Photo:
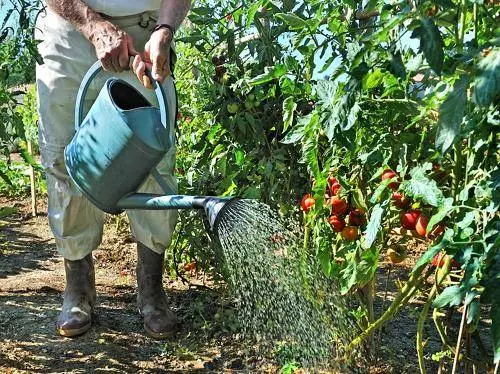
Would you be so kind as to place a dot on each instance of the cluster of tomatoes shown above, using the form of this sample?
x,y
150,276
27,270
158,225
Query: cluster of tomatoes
x,y
411,219
343,218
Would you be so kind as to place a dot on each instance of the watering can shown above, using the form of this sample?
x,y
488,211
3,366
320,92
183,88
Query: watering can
x,y
119,143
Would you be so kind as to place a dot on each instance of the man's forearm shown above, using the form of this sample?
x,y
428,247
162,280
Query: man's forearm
x,y
76,12
173,12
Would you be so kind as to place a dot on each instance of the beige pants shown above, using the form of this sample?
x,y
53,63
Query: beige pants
x,y
75,222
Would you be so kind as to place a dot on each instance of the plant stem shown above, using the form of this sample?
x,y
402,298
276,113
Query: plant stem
x,y
401,298
440,276
457,351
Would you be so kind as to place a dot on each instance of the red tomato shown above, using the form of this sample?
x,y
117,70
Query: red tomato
x,y
334,185
421,225
400,200
350,233
409,219
453,263
307,202
389,174
337,222
339,206
357,217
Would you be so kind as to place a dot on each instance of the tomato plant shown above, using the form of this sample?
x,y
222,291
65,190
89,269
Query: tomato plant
x,y
409,86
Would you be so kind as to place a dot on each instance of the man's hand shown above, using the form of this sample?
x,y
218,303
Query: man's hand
x,y
113,46
156,58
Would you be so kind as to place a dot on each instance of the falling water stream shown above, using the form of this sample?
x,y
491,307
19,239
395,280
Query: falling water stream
x,y
282,301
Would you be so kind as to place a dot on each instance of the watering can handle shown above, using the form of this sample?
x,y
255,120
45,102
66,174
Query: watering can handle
x,y
90,75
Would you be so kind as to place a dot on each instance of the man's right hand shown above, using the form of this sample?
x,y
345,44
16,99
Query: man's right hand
x,y
113,46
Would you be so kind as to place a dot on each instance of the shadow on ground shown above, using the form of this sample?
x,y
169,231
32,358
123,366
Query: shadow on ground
x,y
116,341
23,246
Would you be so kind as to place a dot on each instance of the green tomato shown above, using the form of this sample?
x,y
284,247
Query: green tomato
x,y
233,108
248,105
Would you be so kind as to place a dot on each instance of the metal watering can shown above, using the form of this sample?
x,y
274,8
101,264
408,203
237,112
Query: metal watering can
x,y
119,143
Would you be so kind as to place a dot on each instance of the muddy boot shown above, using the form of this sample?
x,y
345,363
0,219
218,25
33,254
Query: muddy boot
x,y
79,297
159,320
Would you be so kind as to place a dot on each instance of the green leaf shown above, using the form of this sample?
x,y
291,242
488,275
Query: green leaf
x,y
431,252
298,131
420,187
271,73
467,220
431,44
373,79
293,21
373,225
251,12
445,207
239,155
451,114
352,117
451,296
289,107
487,82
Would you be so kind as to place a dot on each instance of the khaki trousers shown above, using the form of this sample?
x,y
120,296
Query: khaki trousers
x,y
76,223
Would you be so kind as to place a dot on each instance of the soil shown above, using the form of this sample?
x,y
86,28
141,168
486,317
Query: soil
x,y
31,286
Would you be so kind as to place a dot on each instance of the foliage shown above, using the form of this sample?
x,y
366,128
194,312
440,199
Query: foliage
x,y
409,86
18,54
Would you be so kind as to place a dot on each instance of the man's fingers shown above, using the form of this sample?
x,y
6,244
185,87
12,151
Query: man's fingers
x,y
160,67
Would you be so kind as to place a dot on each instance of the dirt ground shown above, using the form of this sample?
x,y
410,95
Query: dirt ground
x,y
31,285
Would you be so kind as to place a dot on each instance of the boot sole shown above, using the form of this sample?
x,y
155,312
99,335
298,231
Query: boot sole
x,y
158,335
69,333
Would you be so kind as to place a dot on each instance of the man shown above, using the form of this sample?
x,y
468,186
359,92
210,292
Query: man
x,y
74,34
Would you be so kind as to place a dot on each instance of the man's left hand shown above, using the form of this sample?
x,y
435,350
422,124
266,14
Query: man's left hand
x,y
156,58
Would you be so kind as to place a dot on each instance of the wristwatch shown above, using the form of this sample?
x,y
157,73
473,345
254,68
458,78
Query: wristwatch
x,y
165,26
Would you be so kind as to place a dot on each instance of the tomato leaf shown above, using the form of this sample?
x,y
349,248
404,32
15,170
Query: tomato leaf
x,y
289,107
420,187
451,296
293,21
431,252
487,82
431,43
373,79
373,225
451,114
270,73
445,207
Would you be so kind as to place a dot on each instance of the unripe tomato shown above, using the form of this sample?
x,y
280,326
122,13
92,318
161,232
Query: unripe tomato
x,y
339,206
232,108
336,222
409,219
389,174
350,233
421,225
400,200
307,202
357,217
395,256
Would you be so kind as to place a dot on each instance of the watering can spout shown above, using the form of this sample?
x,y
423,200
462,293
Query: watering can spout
x,y
213,207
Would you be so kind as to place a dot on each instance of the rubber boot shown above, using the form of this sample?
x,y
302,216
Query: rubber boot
x,y
79,297
159,320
